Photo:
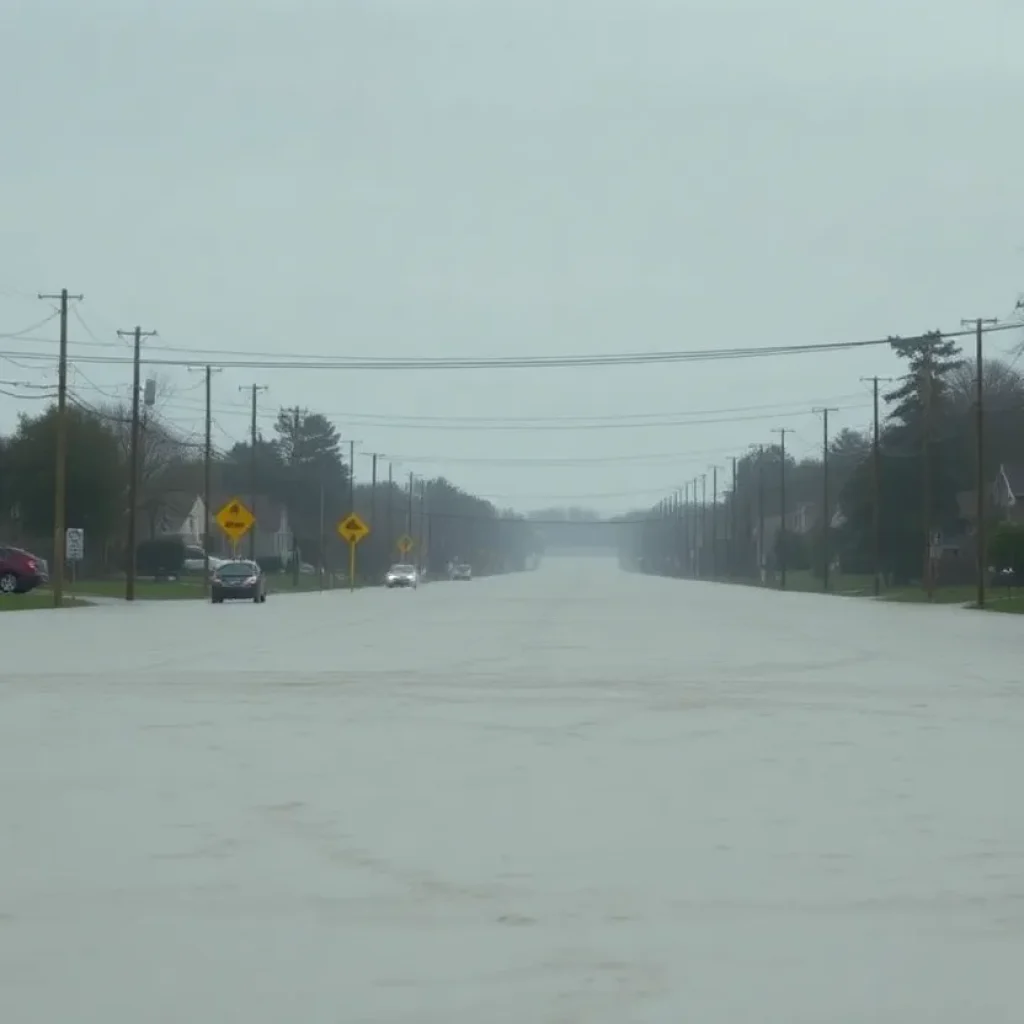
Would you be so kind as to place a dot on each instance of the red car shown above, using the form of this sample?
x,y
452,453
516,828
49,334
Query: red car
x,y
20,571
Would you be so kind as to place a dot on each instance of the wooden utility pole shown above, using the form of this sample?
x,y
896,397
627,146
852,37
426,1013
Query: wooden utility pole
x,y
60,465
208,371
680,533
782,542
761,560
375,532
321,561
876,510
296,427
133,469
207,488
714,522
391,512
375,536
979,438
734,557
351,477
408,519
926,471
825,504
876,472
255,389
424,528
687,551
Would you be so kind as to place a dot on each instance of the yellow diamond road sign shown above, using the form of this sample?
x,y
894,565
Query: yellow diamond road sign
x,y
352,529
235,519
405,543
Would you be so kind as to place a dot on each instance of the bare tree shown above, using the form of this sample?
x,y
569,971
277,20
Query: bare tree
x,y
168,463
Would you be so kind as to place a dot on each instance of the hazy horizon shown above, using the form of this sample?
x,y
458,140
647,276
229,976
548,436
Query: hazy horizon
x,y
394,179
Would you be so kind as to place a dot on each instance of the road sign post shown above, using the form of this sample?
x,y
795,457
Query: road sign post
x,y
352,530
236,521
74,552
74,544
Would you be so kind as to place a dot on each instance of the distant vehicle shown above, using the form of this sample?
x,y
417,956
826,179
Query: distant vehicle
x,y
238,581
195,560
462,571
20,571
401,576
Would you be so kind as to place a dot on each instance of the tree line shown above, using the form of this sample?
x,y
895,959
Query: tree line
x,y
920,481
298,468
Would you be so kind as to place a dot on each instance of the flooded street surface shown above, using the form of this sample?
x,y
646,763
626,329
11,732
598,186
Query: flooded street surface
x,y
568,795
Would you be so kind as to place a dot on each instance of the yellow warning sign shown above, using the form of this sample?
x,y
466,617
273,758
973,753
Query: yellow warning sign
x,y
235,519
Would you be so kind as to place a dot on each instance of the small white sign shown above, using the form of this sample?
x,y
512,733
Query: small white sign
x,y
74,544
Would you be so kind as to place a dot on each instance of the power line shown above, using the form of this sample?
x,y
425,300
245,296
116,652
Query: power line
x,y
18,335
385,422
272,361
544,421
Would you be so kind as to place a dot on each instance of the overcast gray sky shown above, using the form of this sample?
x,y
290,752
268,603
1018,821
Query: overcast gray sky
x,y
497,177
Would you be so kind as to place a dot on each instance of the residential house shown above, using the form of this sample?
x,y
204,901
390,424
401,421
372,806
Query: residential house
x,y
802,519
1008,493
272,532
184,516
176,513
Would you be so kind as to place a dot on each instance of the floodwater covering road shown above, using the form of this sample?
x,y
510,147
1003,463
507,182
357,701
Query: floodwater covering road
x,y
569,795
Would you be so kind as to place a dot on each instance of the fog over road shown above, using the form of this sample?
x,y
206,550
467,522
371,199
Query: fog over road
x,y
569,795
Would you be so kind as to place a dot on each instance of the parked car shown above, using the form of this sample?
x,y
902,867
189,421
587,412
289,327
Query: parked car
x,y
462,571
1005,578
401,576
20,571
195,560
241,580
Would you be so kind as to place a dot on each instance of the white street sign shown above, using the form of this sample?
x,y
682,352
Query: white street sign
x,y
74,544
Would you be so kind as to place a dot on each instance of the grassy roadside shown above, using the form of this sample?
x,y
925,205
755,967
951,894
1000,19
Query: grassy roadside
x,y
34,601
999,599
187,589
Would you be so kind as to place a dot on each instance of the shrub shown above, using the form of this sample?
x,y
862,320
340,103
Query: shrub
x,y
1006,547
161,557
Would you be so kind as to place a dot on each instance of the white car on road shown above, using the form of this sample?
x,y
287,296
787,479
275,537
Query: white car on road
x,y
401,576
195,560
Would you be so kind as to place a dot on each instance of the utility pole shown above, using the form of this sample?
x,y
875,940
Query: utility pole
x,y
373,490
876,464
296,427
680,535
207,463
733,525
687,550
782,431
133,473
694,559
760,511
926,471
714,522
255,389
979,411
351,476
60,467
703,519
391,512
375,536
424,527
375,533
323,535
408,521
825,507
691,511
